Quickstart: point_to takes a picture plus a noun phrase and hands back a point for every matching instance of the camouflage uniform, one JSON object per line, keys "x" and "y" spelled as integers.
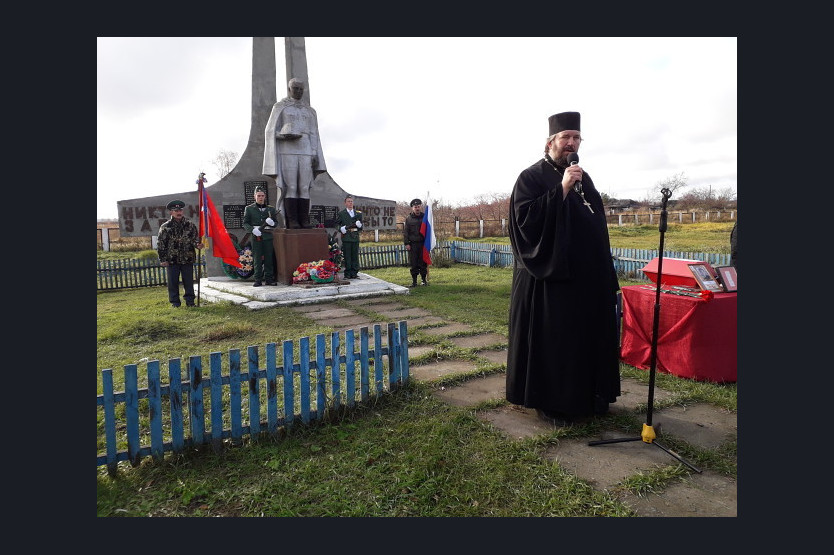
{"x": 175, "y": 244}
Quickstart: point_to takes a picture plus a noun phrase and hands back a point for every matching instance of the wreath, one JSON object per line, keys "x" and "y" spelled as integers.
{"x": 320, "y": 271}
{"x": 247, "y": 267}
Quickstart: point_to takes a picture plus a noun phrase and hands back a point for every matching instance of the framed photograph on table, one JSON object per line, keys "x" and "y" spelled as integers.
{"x": 705, "y": 279}
{"x": 729, "y": 279}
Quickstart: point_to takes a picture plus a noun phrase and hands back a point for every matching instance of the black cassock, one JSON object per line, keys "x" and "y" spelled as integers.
{"x": 563, "y": 345}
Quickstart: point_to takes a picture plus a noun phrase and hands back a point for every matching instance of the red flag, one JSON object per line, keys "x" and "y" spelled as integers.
{"x": 211, "y": 225}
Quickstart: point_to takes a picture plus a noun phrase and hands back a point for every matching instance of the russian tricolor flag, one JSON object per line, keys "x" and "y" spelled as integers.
{"x": 427, "y": 229}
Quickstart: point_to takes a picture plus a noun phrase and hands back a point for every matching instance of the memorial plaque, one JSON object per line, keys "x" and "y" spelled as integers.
{"x": 249, "y": 191}
{"x": 233, "y": 215}
{"x": 320, "y": 214}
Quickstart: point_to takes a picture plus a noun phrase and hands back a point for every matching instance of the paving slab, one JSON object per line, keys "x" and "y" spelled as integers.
{"x": 312, "y": 308}
{"x": 496, "y": 356}
{"x": 700, "y": 495}
{"x": 383, "y": 306}
{"x": 479, "y": 341}
{"x": 700, "y": 424}
{"x": 419, "y": 350}
{"x": 424, "y": 321}
{"x": 474, "y": 391}
{"x": 454, "y": 327}
{"x": 404, "y": 313}
{"x": 331, "y": 314}
{"x": 607, "y": 465}
{"x": 369, "y": 302}
{"x": 516, "y": 422}
{"x": 440, "y": 369}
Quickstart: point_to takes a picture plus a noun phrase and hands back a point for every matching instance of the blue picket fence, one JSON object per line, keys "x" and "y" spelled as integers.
{"x": 120, "y": 274}
{"x": 627, "y": 262}
{"x": 149, "y": 421}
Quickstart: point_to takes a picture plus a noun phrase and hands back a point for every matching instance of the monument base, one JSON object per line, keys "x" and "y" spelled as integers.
{"x": 294, "y": 247}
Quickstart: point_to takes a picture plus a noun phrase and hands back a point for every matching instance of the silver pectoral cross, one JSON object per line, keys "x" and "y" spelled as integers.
{"x": 585, "y": 202}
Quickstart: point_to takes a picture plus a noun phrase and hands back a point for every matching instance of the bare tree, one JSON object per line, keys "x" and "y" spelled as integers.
{"x": 224, "y": 162}
{"x": 677, "y": 181}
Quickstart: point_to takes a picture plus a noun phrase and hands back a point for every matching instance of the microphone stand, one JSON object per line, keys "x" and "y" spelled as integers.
{"x": 648, "y": 435}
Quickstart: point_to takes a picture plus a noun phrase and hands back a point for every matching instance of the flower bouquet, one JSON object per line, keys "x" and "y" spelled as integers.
{"x": 247, "y": 268}
{"x": 320, "y": 271}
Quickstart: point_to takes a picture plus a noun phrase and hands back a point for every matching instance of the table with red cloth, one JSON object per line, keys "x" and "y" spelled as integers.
{"x": 697, "y": 338}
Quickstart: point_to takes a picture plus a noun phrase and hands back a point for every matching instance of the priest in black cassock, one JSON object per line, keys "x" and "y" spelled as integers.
{"x": 563, "y": 356}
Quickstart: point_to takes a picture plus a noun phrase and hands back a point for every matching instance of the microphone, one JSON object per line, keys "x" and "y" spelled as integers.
{"x": 573, "y": 159}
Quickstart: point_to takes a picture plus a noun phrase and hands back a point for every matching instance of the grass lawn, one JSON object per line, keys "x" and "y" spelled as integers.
{"x": 402, "y": 454}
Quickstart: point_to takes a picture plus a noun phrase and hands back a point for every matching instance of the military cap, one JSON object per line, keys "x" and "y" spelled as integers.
{"x": 175, "y": 204}
{"x": 260, "y": 189}
{"x": 415, "y": 202}
{"x": 563, "y": 121}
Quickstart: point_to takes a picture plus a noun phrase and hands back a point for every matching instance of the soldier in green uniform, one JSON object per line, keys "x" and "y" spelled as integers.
{"x": 175, "y": 246}
{"x": 349, "y": 222}
{"x": 259, "y": 219}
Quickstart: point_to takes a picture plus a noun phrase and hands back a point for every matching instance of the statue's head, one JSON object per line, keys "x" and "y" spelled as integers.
{"x": 296, "y": 88}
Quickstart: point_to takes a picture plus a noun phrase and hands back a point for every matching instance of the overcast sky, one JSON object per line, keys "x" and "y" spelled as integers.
{"x": 400, "y": 117}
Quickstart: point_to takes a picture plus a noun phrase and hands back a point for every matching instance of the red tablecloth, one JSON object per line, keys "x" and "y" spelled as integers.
{"x": 696, "y": 338}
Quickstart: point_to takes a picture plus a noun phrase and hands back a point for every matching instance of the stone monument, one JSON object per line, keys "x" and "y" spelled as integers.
{"x": 142, "y": 216}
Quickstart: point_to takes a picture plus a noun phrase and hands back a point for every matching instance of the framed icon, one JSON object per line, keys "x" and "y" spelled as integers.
{"x": 729, "y": 279}
{"x": 704, "y": 278}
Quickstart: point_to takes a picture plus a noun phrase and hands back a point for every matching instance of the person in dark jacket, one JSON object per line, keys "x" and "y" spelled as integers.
{"x": 175, "y": 246}
{"x": 414, "y": 239}
{"x": 563, "y": 352}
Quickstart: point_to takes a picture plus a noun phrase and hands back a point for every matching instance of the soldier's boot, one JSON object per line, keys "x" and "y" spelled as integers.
{"x": 304, "y": 213}
{"x": 291, "y": 207}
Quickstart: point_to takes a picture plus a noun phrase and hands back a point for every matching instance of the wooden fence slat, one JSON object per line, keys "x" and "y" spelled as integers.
{"x": 132, "y": 414}
{"x": 378, "y": 357}
{"x": 271, "y": 389}
{"x": 216, "y": 365}
{"x": 402, "y": 339}
{"x": 304, "y": 363}
{"x": 364, "y": 390}
{"x": 321, "y": 373}
{"x": 254, "y": 394}
{"x": 393, "y": 364}
{"x": 289, "y": 398}
{"x": 350, "y": 370}
{"x": 235, "y": 400}
{"x": 155, "y": 409}
{"x": 195, "y": 396}
{"x": 175, "y": 394}
{"x": 334, "y": 367}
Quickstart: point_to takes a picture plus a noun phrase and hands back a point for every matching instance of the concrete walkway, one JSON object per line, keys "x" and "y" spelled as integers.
{"x": 605, "y": 467}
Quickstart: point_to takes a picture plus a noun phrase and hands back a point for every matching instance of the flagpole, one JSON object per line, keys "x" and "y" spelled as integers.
{"x": 200, "y": 180}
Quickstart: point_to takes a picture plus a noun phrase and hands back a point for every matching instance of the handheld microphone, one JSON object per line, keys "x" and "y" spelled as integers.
{"x": 573, "y": 159}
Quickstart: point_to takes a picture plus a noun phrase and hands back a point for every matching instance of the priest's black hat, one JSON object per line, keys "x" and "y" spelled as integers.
{"x": 175, "y": 204}
{"x": 563, "y": 121}
{"x": 415, "y": 202}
